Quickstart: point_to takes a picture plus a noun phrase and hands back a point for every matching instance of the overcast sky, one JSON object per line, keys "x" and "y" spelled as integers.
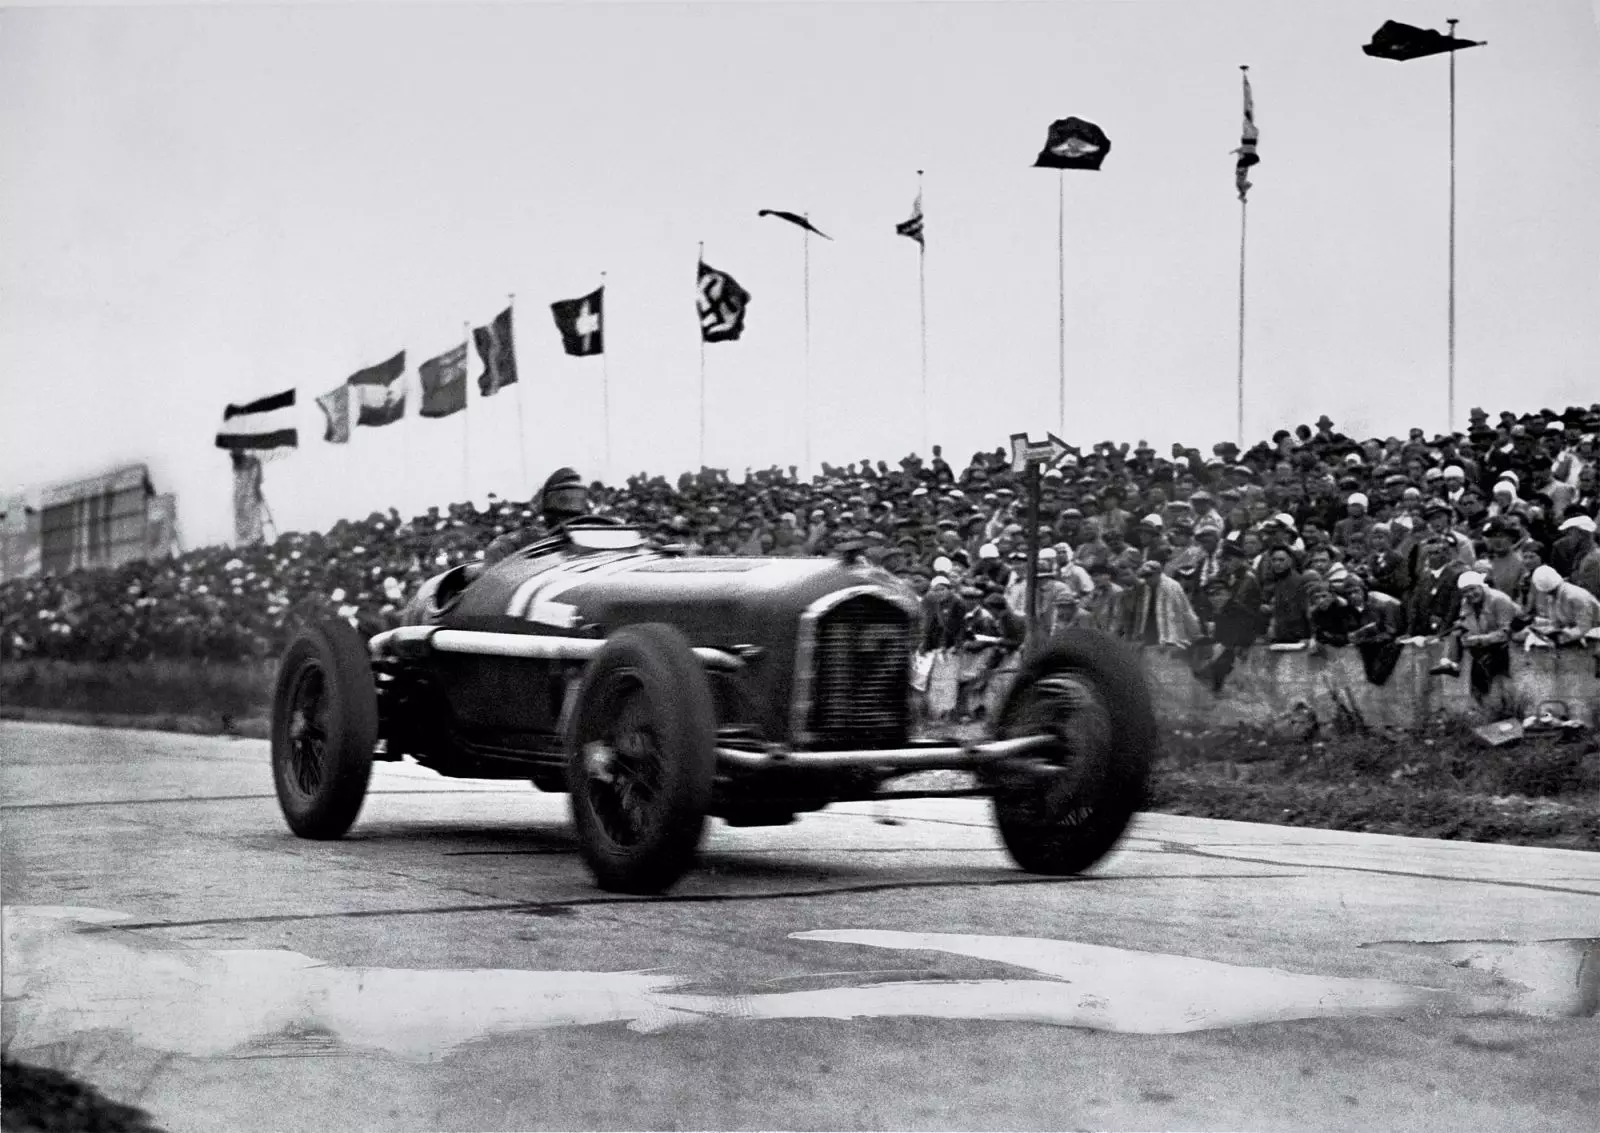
{"x": 204, "y": 205}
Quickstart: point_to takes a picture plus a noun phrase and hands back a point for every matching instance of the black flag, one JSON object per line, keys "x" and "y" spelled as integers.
{"x": 1404, "y": 42}
{"x": 581, "y": 323}
{"x": 1073, "y": 144}
{"x": 722, "y": 303}
{"x": 795, "y": 218}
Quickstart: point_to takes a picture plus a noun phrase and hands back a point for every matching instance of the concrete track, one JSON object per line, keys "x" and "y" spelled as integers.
{"x": 450, "y": 966}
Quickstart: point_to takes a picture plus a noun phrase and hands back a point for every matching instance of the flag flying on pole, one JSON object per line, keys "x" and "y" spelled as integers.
{"x": 1073, "y": 144}
{"x": 721, "y": 303}
{"x": 795, "y": 218}
{"x": 1247, "y": 143}
{"x": 444, "y": 383}
{"x": 498, "y": 353}
{"x": 335, "y": 406}
{"x": 379, "y": 392}
{"x": 1403, "y": 42}
{"x": 581, "y": 323}
{"x": 913, "y": 226}
{"x": 265, "y": 423}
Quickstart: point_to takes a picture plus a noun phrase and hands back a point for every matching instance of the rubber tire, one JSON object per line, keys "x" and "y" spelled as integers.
{"x": 352, "y": 729}
{"x": 679, "y": 693}
{"x": 1115, "y": 789}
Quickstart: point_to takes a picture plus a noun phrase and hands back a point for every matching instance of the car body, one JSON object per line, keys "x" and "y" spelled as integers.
{"x": 659, "y": 689}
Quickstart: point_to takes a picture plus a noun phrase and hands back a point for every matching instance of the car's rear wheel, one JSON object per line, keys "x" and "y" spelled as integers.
{"x": 324, "y": 728}
{"x": 1088, "y": 692}
{"x": 641, "y": 759}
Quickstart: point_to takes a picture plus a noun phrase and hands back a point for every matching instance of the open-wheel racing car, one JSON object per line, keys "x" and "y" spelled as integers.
{"x": 657, "y": 689}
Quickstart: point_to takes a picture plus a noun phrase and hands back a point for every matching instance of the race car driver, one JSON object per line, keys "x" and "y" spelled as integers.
{"x": 562, "y": 499}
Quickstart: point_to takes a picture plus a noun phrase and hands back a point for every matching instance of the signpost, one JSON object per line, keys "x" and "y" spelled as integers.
{"x": 1027, "y": 456}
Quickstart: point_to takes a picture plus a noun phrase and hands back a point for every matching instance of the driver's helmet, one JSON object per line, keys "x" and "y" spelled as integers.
{"x": 563, "y": 496}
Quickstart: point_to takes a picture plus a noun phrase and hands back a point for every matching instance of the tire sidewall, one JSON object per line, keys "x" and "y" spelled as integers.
{"x": 1118, "y": 784}
{"x": 678, "y": 692}
{"x": 352, "y": 728}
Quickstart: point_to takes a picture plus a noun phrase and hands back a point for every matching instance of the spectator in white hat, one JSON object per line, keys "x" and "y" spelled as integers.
{"x": 1351, "y": 531}
{"x": 1577, "y": 552}
{"x": 1563, "y": 612}
{"x": 1482, "y": 631}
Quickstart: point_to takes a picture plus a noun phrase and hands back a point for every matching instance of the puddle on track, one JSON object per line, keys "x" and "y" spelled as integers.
{"x": 61, "y": 981}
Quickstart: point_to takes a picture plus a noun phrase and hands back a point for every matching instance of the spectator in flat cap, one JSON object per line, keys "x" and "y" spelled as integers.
{"x": 1505, "y": 565}
{"x": 1159, "y": 610}
{"x": 1284, "y": 594}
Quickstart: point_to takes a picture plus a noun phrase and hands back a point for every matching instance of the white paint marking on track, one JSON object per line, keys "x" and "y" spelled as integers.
{"x": 69, "y": 971}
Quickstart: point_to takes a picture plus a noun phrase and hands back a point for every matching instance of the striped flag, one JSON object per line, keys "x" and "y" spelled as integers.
{"x": 265, "y": 423}
{"x": 913, "y": 226}
{"x": 1248, "y": 137}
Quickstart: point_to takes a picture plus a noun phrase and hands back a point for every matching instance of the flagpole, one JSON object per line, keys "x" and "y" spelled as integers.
{"x": 522, "y": 440}
{"x": 702, "y": 377}
{"x": 1239, "y": 422}
{"x": 1243, "y": 207}
{"x": 466, "y": 404}
{"x": 805, "y": 273}
{"x": 405, "y": 431}
{"x": 1061, "y": 293}
{"x": 922, "y": 309}
{"x": 605, "y": 377}
{"x": 1450, "y": 395}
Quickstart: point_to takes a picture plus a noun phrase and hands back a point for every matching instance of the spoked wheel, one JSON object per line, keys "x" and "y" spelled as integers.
{"x": 641, "y": 759}
{"x": 308, "y": 730}
{"x": 1089, "y": 693}
{"x": 624, "y": 766}
{"x": 324, "y": 726}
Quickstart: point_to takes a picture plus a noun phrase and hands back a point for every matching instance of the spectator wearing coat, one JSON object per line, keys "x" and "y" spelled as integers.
{"x": 1564, "y": 612}
{"x": 1434, "y": 602}
{"x": 1482, "y": 633}
{"x": 1103, "y": 608}
{"x": 1160, "y": 613}
{"x": 1284, "y": 593}
{"x": 1350, "y": 532}
{"x": 1585, "y": 556}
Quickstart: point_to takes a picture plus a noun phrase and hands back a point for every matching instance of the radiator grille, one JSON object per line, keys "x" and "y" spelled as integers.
{"x": 862, "y": 673}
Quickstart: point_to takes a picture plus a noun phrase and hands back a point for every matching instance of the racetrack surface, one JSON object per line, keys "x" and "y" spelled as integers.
{"x": 450, "y": 966}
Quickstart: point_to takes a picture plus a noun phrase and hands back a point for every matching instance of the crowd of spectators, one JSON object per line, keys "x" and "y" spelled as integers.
{"x": 1478, "y": 541}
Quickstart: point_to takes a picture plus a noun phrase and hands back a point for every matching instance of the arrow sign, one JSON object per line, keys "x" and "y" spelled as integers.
{"x": 1025, "y": 452}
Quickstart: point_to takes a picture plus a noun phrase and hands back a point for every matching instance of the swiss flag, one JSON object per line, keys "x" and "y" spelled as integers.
{"x": 581, "y": 323}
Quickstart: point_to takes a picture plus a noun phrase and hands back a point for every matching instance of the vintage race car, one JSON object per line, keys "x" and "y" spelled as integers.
{"x": 658, "y": 689}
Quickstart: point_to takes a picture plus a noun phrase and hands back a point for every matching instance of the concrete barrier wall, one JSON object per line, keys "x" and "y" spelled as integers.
{"x": 1266, "y": 686}
{"x": 1263, "y": 689}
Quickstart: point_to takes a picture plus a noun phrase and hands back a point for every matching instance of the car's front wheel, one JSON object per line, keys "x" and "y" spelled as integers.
{"x": 641, "y": 759}
{"x": 324, "y": 727}
{"x": 1088, "y": 692}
